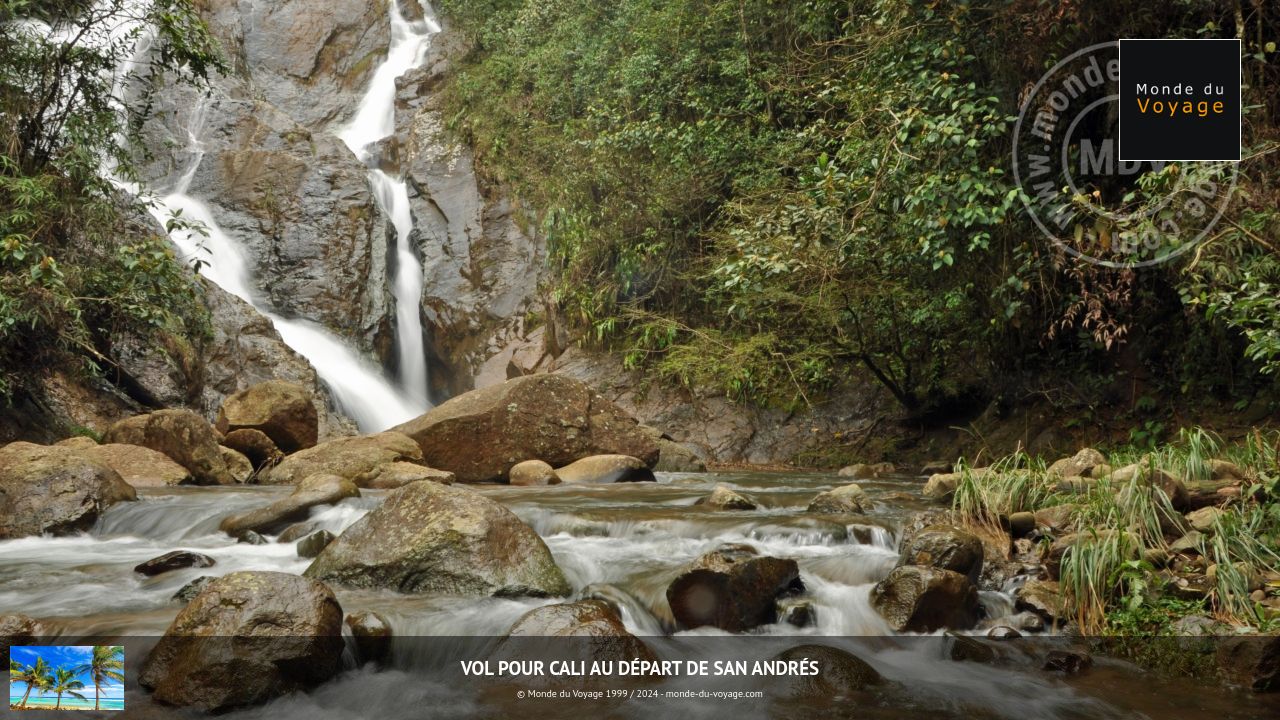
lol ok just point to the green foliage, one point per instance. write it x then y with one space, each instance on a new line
77 265
760 199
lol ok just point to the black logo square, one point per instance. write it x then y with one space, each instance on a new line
1179 100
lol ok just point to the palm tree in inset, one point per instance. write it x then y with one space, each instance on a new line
107 663
35 676
65 682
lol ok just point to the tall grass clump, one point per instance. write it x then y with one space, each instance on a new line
1014 483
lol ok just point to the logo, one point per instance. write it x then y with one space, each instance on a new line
1088 202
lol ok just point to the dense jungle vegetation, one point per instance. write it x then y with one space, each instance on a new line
79 268
766 198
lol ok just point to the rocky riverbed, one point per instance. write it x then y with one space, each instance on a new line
363 567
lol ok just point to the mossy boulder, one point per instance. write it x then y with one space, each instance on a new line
428 537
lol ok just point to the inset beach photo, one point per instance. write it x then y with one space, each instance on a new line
66 677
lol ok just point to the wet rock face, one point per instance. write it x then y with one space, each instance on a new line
733 588
481 269
185 437
246 350
480 435
315 490
272 170
244 639
372 633
924 599
946 548
428 537
54 490
280 410
174 561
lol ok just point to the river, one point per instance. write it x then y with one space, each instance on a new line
625 542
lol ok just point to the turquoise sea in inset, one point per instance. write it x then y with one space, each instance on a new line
67 703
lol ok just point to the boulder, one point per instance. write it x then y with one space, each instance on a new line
733 588
315 490
1044 598
79 442
924 599
722 498
358 459
532 473
841 674
139 466
246 638
604 469
283 411
936 467
180 434
255 445
947 548
315 543
1077 465
481 434
296 532
593 618
1172 487
372 634
237 464
1069 661
1188 544
797 612
1251 662
175 560
866 471
678 457
942 487
54 490
1224 471
1203 519
1021 523
849 499
427 537
19 629
398 474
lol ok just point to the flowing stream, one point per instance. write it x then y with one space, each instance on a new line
625 542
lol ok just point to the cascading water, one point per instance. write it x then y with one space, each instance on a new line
359 388
622 542
373 122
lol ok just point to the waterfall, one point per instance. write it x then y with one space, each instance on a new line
359 387
373 122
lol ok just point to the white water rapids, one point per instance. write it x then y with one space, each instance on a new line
625 542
